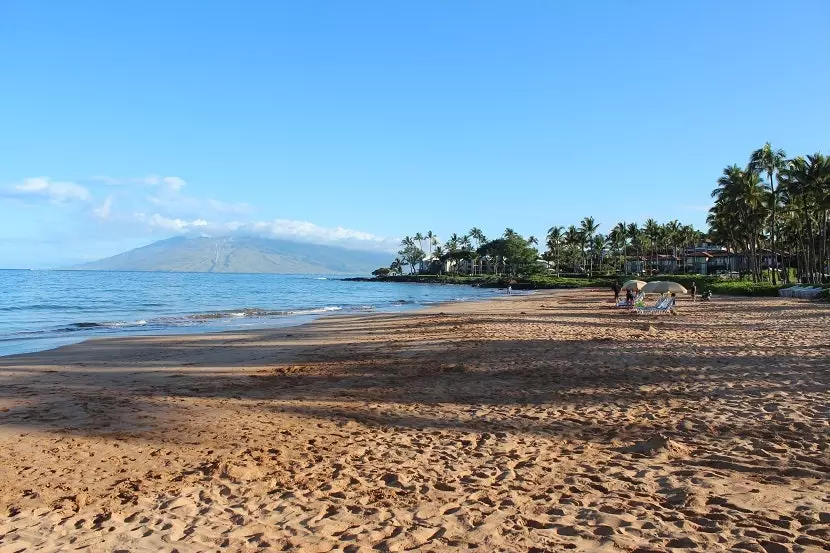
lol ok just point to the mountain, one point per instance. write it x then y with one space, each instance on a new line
240 254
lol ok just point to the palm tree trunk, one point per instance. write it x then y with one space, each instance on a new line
774 265
824 261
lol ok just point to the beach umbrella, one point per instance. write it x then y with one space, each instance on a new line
663 287
633 285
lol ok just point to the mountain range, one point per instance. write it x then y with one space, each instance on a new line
240 254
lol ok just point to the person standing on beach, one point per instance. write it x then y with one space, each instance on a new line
693 290
616 288
509 289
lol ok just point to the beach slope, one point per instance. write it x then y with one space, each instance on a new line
549 422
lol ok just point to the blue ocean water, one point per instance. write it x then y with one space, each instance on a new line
46 309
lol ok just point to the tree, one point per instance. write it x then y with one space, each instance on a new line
739 212
396 266
411 253
588 228
518 255
617 236
477 235
806 187
554 242
772 161
420 239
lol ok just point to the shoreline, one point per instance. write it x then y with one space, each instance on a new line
548 420
258 329
269 322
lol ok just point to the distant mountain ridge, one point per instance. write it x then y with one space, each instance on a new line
240 254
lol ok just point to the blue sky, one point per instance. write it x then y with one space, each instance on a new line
356 123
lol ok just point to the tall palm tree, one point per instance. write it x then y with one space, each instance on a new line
618 238
588 227
651 231
633 233
554 242
420 239
574 238
772 161
740 205
476 234
598 244
806 182
430 237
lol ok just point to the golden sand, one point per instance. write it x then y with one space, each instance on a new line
537 423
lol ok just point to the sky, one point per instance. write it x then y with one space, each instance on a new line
356 123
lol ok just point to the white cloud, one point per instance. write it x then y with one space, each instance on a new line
166 223
58 191
157 204
305 230
173 183
104 211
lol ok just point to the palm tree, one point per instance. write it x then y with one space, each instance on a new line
806 184
598 244
618 238
574 238
554 241
420 239
476 234
588 228
430 237
772 161
740 209
633 233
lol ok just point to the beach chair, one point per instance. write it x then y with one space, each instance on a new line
664 305
623 303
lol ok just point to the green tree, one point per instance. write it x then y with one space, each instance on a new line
772 161
554 243
589 226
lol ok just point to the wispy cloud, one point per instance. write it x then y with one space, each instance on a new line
158 205
166 223
104 211
173 183
46 188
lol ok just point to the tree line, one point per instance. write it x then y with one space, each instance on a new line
775 209
778 205
570 250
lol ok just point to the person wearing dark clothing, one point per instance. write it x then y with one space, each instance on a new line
616 288
629 296
693 290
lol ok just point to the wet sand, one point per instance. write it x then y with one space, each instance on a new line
538 423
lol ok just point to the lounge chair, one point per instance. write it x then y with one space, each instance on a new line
664 305
623 303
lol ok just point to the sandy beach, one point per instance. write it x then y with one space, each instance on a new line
549 422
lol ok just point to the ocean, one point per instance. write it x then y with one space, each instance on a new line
46 309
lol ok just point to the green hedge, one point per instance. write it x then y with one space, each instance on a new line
538 282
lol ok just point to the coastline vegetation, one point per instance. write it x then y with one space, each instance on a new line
771 215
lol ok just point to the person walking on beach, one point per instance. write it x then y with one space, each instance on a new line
616 288
509 289
693 290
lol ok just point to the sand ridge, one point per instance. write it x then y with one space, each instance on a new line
549 422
